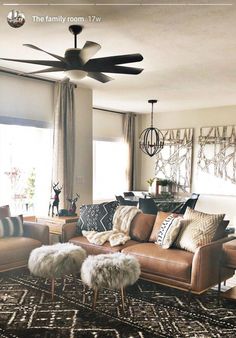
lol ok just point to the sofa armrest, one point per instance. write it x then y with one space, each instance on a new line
68 232
205 265
37 231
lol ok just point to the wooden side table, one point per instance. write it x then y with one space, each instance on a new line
56 224
229 256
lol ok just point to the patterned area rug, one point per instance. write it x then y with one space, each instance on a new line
151 311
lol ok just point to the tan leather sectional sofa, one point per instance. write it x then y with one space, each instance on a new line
193 272
15 251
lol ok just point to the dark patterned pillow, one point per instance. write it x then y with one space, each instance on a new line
11 226
169 231
98 217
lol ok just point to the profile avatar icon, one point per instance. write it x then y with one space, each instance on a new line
15 18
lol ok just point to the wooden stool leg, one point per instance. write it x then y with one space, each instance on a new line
53 288
95 296
84 293
219 285
122 298
74 278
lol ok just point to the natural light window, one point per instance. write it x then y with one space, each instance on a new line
25 169
109 164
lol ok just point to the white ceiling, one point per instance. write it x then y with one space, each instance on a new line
189 50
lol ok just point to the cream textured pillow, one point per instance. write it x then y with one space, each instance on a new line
199 229
169 231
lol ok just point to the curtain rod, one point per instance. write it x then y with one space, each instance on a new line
12 72
111 111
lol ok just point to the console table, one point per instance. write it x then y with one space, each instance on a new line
56 224
162 203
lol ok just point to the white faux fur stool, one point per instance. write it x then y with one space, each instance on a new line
115 271
56 261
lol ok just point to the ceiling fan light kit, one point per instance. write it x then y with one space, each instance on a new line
75 74
78 63
151 140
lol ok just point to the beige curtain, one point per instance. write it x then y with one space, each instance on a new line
129 134
64 140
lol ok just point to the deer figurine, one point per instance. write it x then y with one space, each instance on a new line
55 202
72 208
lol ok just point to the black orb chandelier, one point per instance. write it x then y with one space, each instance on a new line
151 140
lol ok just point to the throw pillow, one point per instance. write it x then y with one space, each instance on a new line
161 216
141 227
5 211
97 217
11 226
169 231
199 230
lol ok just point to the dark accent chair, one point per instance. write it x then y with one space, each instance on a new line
148 206
191 203
122 201
128 194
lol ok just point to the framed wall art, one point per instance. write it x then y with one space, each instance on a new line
216 160
174 161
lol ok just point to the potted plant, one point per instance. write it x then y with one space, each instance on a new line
165 185
150 183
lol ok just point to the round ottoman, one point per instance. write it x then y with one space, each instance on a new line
56 261
114 271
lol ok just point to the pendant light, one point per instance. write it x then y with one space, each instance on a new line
151 140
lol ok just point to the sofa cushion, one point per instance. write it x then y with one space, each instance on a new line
160 217
93 249
11 226
169 231
98 217
171 263
14 251
141 227
199 229
5 211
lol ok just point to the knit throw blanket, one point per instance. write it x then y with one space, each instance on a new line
119 235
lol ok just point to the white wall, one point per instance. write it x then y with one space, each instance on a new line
208 202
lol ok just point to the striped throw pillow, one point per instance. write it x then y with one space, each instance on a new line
11 226
199 230
169 230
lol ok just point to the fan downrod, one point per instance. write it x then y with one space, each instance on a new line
75 30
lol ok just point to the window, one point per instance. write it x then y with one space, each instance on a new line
25 168
109 163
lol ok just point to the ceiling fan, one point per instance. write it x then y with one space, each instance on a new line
78 63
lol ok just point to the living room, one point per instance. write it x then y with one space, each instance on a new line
189 64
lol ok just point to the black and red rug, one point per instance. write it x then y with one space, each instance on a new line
26 310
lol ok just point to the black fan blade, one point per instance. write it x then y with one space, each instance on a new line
47 70
99 77
114 69
39 62
89 50
114 60
41 50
